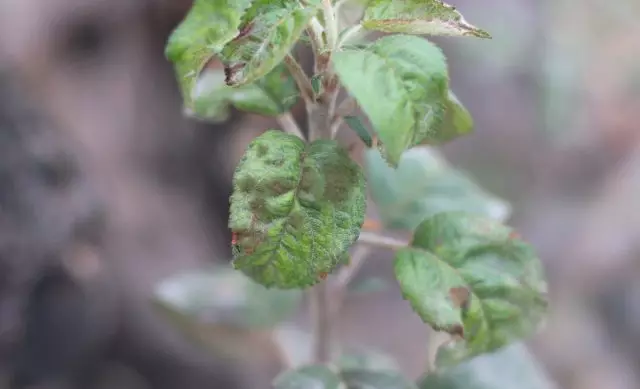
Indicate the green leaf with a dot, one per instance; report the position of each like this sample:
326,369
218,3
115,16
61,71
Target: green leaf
457,122
473,278
268,35
356,125
271,95
369,285
367,361
296,209
371,379
420,17
401,83
208,26
311,376
221,295
509,368
316,84
424,184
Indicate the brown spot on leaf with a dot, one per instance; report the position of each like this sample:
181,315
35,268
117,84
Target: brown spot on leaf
457,330
244,31
514,235
460,296
323,276
230,73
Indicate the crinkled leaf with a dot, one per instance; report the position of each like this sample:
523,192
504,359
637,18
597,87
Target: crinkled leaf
311,376
271,95
222,295
356,125
367,361
296,209
401,83
208,26
509,368
424,184
421,17
266,37
371,379
473,278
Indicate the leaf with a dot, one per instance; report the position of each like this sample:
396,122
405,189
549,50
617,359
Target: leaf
222,295
310,376
420,17
457,122
271,95
473,278
509,368
296,209
367,361
208,26
401,83
356,125
369,285
270,31
371,379
424,184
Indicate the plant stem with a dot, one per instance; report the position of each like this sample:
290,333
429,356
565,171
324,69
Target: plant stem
331,24
349,34
321,316
301,79
289,125
375,239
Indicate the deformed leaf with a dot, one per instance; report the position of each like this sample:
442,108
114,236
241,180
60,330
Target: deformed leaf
424,184
310,376
509,368
208,26
224,296
475,279
401,83
421,17
375,379
296,208
268,34
271,95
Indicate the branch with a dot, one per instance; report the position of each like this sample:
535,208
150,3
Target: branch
331,24
301,79
321,316
375,239
289,125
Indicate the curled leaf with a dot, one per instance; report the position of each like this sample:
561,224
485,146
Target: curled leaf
269,32
208,26
401,83
421,17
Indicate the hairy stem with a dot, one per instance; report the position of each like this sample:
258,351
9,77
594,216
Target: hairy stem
321,316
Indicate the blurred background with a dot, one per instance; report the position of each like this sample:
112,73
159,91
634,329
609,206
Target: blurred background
106,189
